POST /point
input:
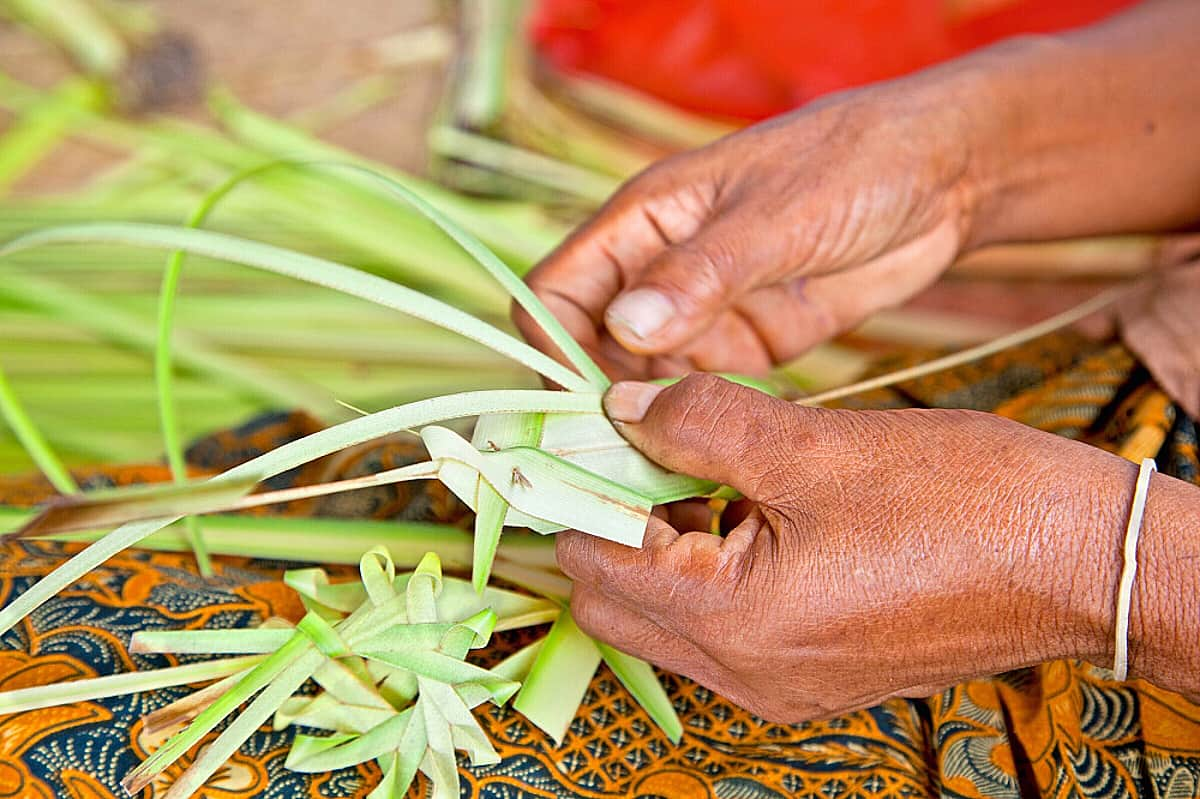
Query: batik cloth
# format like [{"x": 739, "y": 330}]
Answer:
[{"x": 1062, "y": 729}]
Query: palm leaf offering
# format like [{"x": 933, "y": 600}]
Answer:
[
  {"x": 545, "y": 460},
  {"x": 388, "y": 657}
]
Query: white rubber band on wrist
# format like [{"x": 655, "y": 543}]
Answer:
[{"x": 1125, "y": 588}]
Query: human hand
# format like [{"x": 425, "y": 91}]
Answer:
[
  {"x": 747, "y": 252},
  {"x": 886, "y": 553}
]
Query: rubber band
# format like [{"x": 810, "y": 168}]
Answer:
[{"x": 1133, "y": 532}]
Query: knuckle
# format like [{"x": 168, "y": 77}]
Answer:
[
  {"x": 664, "y": 171},
  {"x": 681, "y": 398},
  {"x": 698, "y": 387},
  {"x": 715, "y": 411},
  {"x": 696, "y": 272},
  {"x": 647, "y": 184},
  {"x": 792, "y": 442},
  {"x": 574, "y": 551},
  {"x": 590, "y": 614},
  {"x": 751, "y": 426}
]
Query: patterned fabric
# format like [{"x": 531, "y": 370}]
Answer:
[{"x": 1061, "y": 729}]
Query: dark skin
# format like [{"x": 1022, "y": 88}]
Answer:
[{"x": 968, "y": 543}]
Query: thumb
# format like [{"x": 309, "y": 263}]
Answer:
[
  {"x": 710, "y": 428},
  {"x": 677, "y": 295}
]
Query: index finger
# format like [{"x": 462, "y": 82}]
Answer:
[
  {"x": 586, "y": 272},
  {"x": 610, "y": 567},
  {"x": 669, "y": 565}
]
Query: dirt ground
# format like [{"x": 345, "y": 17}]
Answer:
[{"x": 281, "y": 57}]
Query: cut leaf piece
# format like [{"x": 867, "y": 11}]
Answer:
[
  {"x": 550, "y": 488},
  {"x": 492, "y": 433},
  {"x": 282, "y": 662},
  {"x": 639, "y": 679},
  {"x": 42, "y": 696},
  {"x": 490, "y": 510},
  {"x": 559, "y": 678},
  {"x": 213, "y": 756},
  {"x": 110, "y": 507}
]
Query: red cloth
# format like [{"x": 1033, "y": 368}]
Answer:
[{"x": 751, "y": 59}]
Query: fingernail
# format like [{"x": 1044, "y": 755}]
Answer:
[
  {"x": 642, "y": 312},
  {"x": 628, "y": 402}
]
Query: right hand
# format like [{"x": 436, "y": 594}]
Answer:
[{"x": 751, "y": 250}]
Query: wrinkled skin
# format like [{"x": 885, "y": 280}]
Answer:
[
  {"x": 765, "y": 243},
  {"x": 882, "y": 554},
  {"x": 850, "y": 580}
]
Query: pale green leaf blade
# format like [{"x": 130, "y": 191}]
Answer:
[
  {"x": 513, "y": 610},
  {"x": 552, "y": 584},
  {"x": 500, "y": 431},
  {"x": 305, "y": 748},
  {"x": 403, "y": 637},
  {"x": 13, "y": 412},
  {"x": 471, "y": 633},
  {"x": 312, "y": 269},
  {"x": 439, "y": 763},
  {"x": 324, "y": 712},
  {"x": 210, "y": 642},
  {"x": 110, "y": 507},
  {"x": 410, "y": 750},
  {"x": 592, "y": 443},
  {"x": 327, "y": 541},
  {"x": 639, "y": 679},
  {"x": 314, "y": 584},
  {"x": 41, "y": 696},
  {"x": 439, "y": 667},
  {"x": 490, "y": 510},
  {"x": 423, "y": 587},
  {"x": 559, "y": 678},
  {"x": 348, "y": 681},
  {"x": 516, "y": 666},
  {"x": 387, "y": 788},
  {"x": 496, "y": 432},
  {"x": 293, "y": 652},
  {"x": 213, "y": 756},
  {"x": 378, "y": 574},
  {"x": 186, "y": 708},
  {"x": 465, "y": 731},
  {"x": 311, "y": 755}
]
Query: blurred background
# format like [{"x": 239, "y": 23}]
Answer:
[{"x": 516, "y": 118}]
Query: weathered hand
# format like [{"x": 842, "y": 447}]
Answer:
[
  {"x": 748, "y": 252},
  {"x": 886, "y": 553}
]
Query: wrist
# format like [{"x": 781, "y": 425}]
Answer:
[
  {"x": 1020, "y": 140},
  {"x": 1075, "y": 542},
  {"x": 1065, "y": 128},
  {"x": 982, "y": 133},
  {"x": 1165, "y": 609}
]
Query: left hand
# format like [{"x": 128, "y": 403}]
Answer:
[{"x": 886, "y": 553}]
